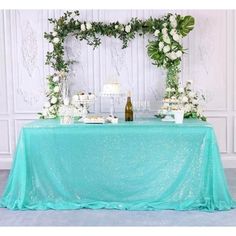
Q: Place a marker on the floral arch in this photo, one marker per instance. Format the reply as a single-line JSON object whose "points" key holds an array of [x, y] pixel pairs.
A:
{"points": [[165, 49]]}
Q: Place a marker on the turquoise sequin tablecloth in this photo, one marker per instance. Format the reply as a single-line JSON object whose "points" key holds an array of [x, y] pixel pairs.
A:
{"points": [[142, 165]]}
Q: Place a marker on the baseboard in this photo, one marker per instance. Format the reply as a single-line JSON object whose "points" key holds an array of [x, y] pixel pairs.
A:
{"points": [[5, 163], [229, 161]]}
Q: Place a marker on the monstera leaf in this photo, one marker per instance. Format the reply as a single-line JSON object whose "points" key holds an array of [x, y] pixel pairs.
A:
{"points": [[186, 25]]}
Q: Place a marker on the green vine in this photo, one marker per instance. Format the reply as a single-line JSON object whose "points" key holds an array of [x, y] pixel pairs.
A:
{"points": [[164, 49]]}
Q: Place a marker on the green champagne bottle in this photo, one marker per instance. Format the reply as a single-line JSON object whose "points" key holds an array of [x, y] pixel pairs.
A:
{"points": [[129, 109]]}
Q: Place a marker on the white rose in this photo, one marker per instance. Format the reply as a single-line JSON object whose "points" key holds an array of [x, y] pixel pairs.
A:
{"points": [[173, 31], [187, 108], [166, 39], [168, 90], [75, 98], [88, 26], [54, 34], [82, 27], [184, 99], [47, 104], [55, 79], [51, 109], [156, 33], [164, 30], [53, 100], [56, 40], [181, 90], [172, 56], [179, 53], [127, 28], [116, 26], [166, 49], [191, 94], [172, 18], [56, 89], [176, 37], [173, 23], [161, 45]]}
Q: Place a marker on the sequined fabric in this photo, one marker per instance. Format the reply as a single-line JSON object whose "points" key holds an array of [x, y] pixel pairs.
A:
{"points": [[141, 165]]}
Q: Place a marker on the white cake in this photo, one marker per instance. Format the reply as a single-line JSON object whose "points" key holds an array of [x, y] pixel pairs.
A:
{"points": [[111, 88]]}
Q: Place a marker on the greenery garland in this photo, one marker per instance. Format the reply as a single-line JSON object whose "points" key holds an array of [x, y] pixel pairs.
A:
{"points": [[164, 49]]}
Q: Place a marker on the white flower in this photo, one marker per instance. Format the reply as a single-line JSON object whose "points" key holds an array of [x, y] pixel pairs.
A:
{"points": [[116, 26], [173, 31], [168, 90], [176, 37], [75, 98], [187, 108], [122, 28], [55, 79], [127, 28], [51, 109], [56, 89], [88, 26], [156, 33], [166, 49], [172, 56], [166, 39], [62, 74], [195, 101], [173, 90], [184, 99], [82, 27], [53, 100], [179, 53], [56, 40], [172, 18], [164, 30], [47, 104], [191, 94], [173, 23], [181, 90], [54, 34], [161, 45], [165, 24]]}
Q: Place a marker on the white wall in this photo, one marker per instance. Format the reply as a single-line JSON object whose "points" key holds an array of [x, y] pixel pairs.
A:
{"points": [[210, 63]]}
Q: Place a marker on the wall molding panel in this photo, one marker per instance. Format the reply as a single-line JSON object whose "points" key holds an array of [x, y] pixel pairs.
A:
{"points": [[209, 62]]}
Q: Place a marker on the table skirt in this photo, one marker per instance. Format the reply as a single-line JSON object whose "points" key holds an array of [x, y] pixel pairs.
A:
{"points": [[144, 165]]}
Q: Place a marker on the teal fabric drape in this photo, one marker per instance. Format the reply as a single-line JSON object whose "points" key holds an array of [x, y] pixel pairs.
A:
{"points": [[141, 165]]}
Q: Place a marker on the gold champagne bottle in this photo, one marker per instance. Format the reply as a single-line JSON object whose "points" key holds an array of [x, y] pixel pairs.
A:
{"points": [[129, 109]]}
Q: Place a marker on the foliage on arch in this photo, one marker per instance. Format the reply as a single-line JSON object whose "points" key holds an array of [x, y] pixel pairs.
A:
{"points": [[164, 47]]}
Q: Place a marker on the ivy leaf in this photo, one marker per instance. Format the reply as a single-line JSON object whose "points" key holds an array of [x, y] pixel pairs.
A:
{"points": [[186, 25]]}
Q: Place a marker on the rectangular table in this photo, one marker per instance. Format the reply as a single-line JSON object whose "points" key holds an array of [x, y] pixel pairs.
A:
{"points": [[141, 165]]}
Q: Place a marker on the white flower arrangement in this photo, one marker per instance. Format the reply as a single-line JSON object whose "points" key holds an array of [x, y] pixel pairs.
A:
{"points": [[190, 101]]}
